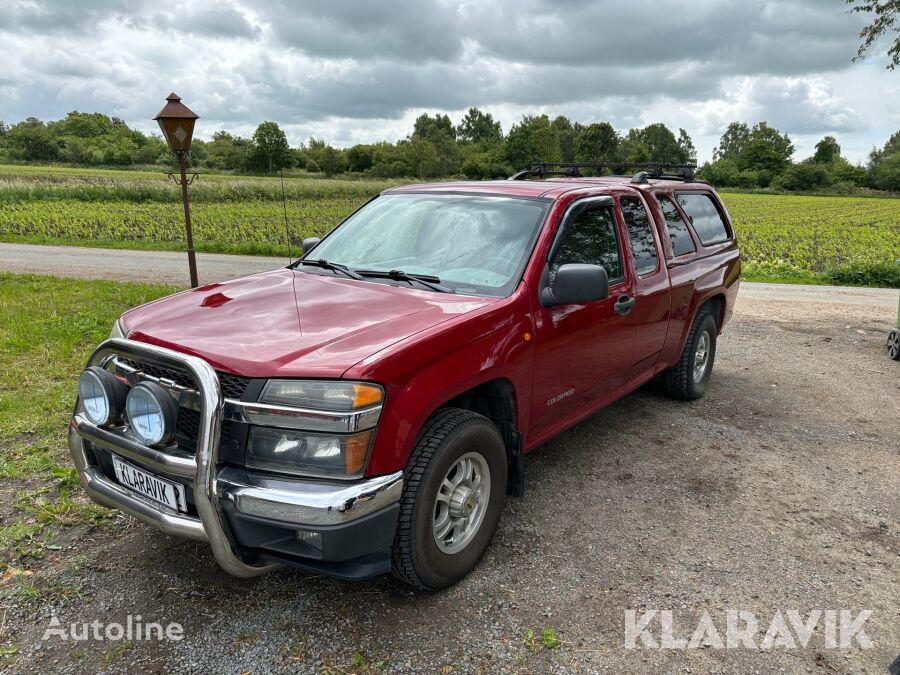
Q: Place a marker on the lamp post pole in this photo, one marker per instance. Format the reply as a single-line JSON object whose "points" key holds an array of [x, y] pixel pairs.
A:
{"points": [[192, 258], [176, 121]]}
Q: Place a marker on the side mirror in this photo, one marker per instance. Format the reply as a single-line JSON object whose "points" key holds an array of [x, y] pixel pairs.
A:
{"points": [[309, 244], [576, 284]]}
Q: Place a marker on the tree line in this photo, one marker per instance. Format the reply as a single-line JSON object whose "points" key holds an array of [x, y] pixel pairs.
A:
{"points": [[757, 156]]}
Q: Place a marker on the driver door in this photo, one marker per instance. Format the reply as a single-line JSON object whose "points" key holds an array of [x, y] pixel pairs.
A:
{"points": [[582, 352]]}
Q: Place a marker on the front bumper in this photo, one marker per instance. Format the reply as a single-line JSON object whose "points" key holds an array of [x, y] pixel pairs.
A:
{"points": [[251, 522]]}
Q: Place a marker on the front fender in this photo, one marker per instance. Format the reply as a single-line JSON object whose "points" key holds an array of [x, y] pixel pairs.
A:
{"points": [[428, 370]]}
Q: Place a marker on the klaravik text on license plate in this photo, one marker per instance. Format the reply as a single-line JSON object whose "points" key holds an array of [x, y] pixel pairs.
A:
{"points": [[161, 491]]}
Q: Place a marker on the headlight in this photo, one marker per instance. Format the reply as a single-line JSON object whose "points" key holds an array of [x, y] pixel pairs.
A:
{"points": [[308, 454], [117, 331], [152, 413], [336, 396], [102, 395]]}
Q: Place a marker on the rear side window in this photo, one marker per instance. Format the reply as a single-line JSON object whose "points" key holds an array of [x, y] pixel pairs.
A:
{"points": [[639, 234], [705, 217], [590, 238], [678, 232]]}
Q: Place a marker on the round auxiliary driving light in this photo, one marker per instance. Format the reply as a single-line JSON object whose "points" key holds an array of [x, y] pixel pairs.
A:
{"points": [[102, 395], [152, 413]]}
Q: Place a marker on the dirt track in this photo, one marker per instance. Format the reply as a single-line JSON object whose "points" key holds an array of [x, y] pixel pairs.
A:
{"points": [[780, 490]]}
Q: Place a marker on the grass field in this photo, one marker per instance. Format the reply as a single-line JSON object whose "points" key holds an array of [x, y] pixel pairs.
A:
{"points": [[853, 240], [48, 327]]}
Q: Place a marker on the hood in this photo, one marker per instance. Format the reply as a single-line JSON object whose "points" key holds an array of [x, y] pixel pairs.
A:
{"points": [[286, 323]]}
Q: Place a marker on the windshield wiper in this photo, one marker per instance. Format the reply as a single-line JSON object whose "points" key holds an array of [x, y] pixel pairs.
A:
{"points": [[432, 282], [334, 267]]}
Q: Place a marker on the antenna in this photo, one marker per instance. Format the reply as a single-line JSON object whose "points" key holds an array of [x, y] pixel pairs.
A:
{"points": [[287, 230]]}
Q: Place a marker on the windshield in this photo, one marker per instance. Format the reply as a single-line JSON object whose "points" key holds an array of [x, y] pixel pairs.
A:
{"points": [[472, 243]]}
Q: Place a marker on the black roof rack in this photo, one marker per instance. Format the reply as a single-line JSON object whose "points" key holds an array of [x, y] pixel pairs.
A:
{"points": [[645, 170]]}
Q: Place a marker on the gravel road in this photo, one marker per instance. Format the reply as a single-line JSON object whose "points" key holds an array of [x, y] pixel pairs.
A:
{"points": [[167, 267], [778, 491]]}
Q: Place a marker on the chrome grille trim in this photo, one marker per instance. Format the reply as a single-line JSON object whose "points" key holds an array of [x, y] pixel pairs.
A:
{"points": [[259, 414]]}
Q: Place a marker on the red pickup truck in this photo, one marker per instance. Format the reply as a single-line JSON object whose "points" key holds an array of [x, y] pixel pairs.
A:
{"points": [[368, 408]]}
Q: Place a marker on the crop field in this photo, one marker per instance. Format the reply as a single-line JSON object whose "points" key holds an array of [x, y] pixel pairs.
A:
{"points": [[847, 240]]}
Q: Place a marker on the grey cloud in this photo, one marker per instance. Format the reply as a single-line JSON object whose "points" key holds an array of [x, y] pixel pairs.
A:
{"points": [[789, 36], [217, 19], [413, 30], [357, 66], [803, 107]]}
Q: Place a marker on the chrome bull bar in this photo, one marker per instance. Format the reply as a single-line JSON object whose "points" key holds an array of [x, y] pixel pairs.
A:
{"points": [[201, 467]]}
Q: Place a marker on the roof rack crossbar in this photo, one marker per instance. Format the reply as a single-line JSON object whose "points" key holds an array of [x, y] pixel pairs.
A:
{"points": [[645, 170]]}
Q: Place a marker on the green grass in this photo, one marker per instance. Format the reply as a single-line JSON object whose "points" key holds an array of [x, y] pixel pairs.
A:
{"points": [[787, 238], [48, 328]]}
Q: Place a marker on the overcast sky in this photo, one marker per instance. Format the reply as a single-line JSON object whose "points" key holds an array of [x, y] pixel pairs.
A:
{"points": [[360, 70]]}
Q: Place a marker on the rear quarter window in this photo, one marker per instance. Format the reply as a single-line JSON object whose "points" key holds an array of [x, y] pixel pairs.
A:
{"points": [[679, 235], [705, 218]]}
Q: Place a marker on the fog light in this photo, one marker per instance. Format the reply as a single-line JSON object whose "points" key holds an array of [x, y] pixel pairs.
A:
{"points": [[102, 395], [152, 413]]}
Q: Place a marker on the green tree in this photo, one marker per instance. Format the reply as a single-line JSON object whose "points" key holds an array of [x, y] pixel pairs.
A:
{"points": [[360, 158], [568, 138], [331, 161], [479, 127], [805, 176], [827, 150], [732, 142], [271, 146], [884, 165], [88, 125], [230, 153], [532, 140], [31, 140], [661, 144], [632, 149], [427, 127], [597, 142], [766, 149], [686, 148], [884, 21]]}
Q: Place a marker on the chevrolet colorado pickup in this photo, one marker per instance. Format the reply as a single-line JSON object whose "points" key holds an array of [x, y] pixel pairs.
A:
{"points": [[368, 408]]}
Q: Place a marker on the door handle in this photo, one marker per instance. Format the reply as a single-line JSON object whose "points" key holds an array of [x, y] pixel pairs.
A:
{"points": [[623, 305]]}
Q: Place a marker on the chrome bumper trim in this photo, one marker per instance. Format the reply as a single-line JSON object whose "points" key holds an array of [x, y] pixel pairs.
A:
{"points": [[308, 503], [173, 464], [110, 494]]}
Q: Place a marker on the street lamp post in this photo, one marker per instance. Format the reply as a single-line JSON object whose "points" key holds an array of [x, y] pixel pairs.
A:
{"points": [[177, 123]]}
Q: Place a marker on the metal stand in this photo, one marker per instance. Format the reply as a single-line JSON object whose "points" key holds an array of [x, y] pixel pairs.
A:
{"points": [[183, 181]]}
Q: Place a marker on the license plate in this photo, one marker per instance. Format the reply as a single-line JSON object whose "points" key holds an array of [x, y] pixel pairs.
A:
{"points": [[160, 491]]}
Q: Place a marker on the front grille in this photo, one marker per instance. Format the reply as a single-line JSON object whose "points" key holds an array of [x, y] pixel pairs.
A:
{"points": [[233, 386], [176, 375], [188, 429]]}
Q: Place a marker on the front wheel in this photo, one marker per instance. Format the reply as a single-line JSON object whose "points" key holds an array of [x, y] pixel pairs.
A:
{"points": [[687, 379], [453, 494]]}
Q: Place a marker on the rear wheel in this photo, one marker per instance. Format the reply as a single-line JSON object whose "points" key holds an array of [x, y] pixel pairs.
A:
{"points": [[687, 379], [893, 344], [453, 494]]}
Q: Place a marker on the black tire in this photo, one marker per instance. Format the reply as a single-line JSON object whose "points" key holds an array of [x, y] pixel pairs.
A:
{"points": [[449, 434], [678, 381]]}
